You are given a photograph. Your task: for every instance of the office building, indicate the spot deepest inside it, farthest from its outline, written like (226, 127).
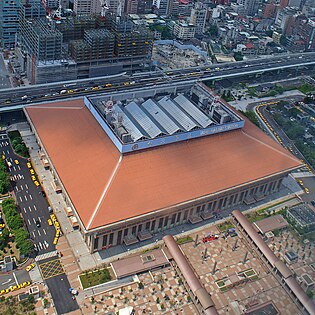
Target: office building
(9, 22)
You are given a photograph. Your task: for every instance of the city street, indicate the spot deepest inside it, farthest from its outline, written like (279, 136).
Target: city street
(31, 203)
(17, 277)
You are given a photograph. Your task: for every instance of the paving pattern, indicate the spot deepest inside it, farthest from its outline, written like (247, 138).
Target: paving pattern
(51, 269)
(229, 262)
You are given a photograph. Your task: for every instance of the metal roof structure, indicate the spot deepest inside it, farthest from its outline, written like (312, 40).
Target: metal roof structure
(158, 115)
(135, 132)
(193, 111)
(177, 113)
(188, 273)
(282, 268)
(143, 120)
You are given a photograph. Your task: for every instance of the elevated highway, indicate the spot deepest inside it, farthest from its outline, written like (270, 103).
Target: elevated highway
(21, 96)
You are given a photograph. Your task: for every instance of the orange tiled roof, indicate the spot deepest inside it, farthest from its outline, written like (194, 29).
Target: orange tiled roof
(106, 187)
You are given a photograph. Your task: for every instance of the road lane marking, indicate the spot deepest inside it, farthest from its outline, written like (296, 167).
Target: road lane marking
(31, 197)
(15, 279)
(29, 222)
(25, 197)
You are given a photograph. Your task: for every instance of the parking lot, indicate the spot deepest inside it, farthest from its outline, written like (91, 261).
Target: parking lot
(29, 197)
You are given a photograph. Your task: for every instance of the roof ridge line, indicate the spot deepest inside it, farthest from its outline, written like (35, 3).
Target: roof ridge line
(104, 192)
(271, 147)
(56, 107)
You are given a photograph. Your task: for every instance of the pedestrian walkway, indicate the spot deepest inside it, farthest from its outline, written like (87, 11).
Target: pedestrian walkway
(46, 255)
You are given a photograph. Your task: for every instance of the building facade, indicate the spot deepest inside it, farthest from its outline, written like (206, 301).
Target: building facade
(9, 22)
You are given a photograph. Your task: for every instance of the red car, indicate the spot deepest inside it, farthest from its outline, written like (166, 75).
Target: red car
(210, 238)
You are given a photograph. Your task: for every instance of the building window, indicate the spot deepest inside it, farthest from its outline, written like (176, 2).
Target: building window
(153, 225)
(111, 238)
(231, 200)
(198, 209)
(224, 202)
(173, 218)
(214, 205)
(139, 228)
(125, 232)
(185, 215)
(104, 240)
(119, 237)
(210, 206)
(178, 217)
(220, 204)
(147, 226)
(166, 221)
(134, 230)
(160, 223)
(96, 243)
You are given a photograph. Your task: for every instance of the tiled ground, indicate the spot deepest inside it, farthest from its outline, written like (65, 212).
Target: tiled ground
(228, 263)
(163, 292)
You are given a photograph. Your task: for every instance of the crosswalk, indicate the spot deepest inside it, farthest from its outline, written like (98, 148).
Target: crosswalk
(46, 255)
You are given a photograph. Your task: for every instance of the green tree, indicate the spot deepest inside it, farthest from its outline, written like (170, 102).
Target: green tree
(14, 222)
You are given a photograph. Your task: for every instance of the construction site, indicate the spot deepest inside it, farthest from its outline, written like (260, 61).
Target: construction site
(54, 48)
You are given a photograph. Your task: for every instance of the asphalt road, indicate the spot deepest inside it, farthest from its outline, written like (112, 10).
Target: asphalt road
(15, 278)
(31, 203)
(59, 289)
(308, 182)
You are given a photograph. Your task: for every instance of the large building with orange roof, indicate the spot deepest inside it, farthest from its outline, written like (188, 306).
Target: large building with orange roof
(137, 162)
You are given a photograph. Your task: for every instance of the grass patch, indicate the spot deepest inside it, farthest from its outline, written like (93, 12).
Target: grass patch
(225, 226)
(183, 240)
(257, 215)
(306, 88)
(251, 116)
(150, 249)
(93, 278)
(250, 273)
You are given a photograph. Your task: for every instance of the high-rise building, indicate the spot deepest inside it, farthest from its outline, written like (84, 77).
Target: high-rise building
(84, 7)
(251, 7)
(9, 22)
(198, 17)
(308, 34)
(270, 11)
